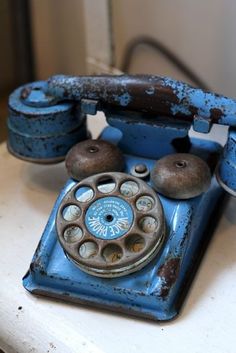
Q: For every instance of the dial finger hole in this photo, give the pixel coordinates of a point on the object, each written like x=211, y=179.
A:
x=106, y=185
x=88, y=249
x=145, y=203
x=129, y=188
x=112, y=253
x=148, y=224
x=135, y=243
x=71, y=212
x=73, y=234
x=84, y=194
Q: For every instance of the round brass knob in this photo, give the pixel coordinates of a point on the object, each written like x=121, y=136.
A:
x=91, y=157
x=181, y=176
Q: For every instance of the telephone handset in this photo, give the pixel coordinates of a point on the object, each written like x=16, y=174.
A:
x=131, y=224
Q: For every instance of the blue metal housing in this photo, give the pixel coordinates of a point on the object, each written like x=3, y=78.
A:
x=156, y=291
x=149, y=118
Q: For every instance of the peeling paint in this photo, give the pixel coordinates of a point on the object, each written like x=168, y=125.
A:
x=148, y=94
x=123, y=99
x=168, y=272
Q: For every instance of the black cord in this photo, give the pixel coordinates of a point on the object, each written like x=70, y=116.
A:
x=155, y=44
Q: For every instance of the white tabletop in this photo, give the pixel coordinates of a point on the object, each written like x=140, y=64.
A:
x=32, y=324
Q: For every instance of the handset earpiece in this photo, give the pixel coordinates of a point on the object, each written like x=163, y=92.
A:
x=40, y=128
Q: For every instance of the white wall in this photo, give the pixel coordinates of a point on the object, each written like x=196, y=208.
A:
x=201, y=32
x=58, y=37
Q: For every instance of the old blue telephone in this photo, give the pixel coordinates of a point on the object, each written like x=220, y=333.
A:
x=128, y=230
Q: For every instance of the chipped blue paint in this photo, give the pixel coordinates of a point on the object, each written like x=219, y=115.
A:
x=179, y=109
x=151, y=112
x=34, y=95
x=123, y=100
x=43, y=149
x=202, y=101
x=39, y=115
x=152, y=94
x=149, y=292
x=42, y=132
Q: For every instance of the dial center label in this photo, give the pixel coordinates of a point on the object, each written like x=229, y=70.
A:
x=109, y=218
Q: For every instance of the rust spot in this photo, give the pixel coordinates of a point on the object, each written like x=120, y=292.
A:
x=43, y=273
x=193, y=110
x=52, y=345
x=25, y=92
x=169, y=272
x=216, y=114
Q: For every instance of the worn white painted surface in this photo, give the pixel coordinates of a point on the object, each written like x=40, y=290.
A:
x=206, y=324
